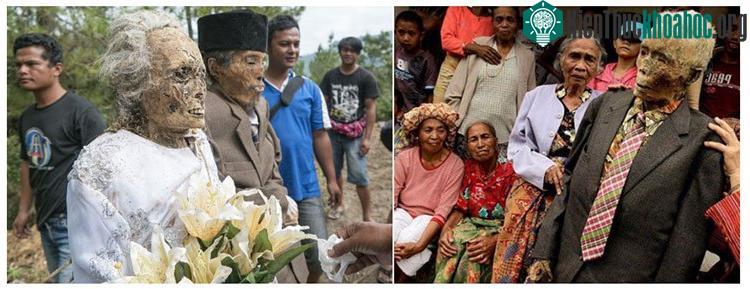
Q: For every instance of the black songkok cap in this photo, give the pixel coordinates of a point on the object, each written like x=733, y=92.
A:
x=236, y=30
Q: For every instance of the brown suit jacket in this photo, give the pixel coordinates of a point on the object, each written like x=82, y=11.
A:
x=658, y=233
x=250, y=165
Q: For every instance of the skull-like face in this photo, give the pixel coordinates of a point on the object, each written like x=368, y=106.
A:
x=173, y=99
x=667, y=66
x=242, y=78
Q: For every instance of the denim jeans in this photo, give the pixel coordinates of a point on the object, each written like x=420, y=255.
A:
x=345, y=148
x=311, y=214
x=54, y=233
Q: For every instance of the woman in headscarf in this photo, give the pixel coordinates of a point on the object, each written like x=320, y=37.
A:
x=428, y=179
x=468, y=240
x=540, y=143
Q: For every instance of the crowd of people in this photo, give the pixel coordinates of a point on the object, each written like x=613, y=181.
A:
x=516, y=163
x=183, y=108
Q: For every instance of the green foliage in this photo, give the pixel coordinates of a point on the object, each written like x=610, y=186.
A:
x=375, y=57
x=14, y=163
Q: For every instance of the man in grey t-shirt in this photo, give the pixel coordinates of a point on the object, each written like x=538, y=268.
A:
x=52, y=132
x=350, y=93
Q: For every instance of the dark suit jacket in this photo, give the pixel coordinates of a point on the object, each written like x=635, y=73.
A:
x=250, y=165
x=658, y=232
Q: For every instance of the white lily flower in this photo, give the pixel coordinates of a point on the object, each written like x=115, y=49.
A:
x=205, y=269
x=205, y=208
x=157, y=266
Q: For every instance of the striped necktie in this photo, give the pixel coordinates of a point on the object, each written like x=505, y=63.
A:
x=599, y=222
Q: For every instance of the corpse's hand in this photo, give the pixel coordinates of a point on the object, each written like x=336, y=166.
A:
x=370, y=242
x=481, y=249
x=539, y=272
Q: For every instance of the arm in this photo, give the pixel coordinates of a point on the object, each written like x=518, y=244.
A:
x=455, y=90
x=24, y=203
x=90, y=125
x=324, y=155
x=399, y=177
x=522, y=148
x=370, y=113
x=406, y=250
x=275, y=186
x=449, y=32
x=445, y=245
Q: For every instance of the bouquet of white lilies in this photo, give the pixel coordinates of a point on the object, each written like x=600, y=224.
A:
x=229, y=240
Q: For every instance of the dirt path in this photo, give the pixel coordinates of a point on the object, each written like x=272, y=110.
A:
x=379, y=168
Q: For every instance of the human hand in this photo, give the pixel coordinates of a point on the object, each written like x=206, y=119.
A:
x=485, y=52
x=335, y=197
x=539, y=272
x=406, y=250
x=20, y=225
x=481, y=249
x=734, y=123
x=554, y=176
x=370, y=242
x=446, y=246
x=364, y=146
x=730, y=149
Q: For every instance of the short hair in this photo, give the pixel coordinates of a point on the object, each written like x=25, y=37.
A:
x=52, y=50
x=481, y=121
x=570, y=39
x=126, y=63
x=411, y=16
x=516, y=9
x=352, y=42
x=281, y=23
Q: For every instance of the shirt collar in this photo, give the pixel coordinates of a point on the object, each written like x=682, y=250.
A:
x=654, y=117
x=289, y=76
x=560, y=93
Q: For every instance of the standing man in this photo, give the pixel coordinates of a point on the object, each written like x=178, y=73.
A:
x=640, y=179
x=245, y=146
x=350, y=93
x=52, y=132
x=301, y=124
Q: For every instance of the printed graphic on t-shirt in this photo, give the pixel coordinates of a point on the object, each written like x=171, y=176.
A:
x=719, y=79
x=345, y=100
x=38, y=149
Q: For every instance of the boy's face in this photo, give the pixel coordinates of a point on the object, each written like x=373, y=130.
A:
x=34, y=73
x=408, y=35
x=348, y=55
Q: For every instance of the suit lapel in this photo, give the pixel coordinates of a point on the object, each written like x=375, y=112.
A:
x=665, y=141
x=243, y=129
x=609, y=123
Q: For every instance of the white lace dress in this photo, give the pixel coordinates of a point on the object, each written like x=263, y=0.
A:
x=121, y=186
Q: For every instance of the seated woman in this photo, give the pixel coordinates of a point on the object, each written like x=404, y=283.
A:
x=539, y=145
x=427, y=182
x=621, y=74
x=122, y=187
x=468, y=240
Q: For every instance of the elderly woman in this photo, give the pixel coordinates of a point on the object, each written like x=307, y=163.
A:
x=427, y=182
x=481, y=90
x=539, y=146
x=469, y=237
x=122, y=186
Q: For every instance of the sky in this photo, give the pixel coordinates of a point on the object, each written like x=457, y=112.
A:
x=316, y=23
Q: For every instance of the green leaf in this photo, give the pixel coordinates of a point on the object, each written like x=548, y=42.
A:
x=219, y=247
x=283, y=259
x=182, y=270
x=262, y=242
x=233, y=277
x=250, y=278
x=230, y=230
x=263, y=276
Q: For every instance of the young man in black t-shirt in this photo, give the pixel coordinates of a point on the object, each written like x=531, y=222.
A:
x=52, y=132
x=350, y=93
